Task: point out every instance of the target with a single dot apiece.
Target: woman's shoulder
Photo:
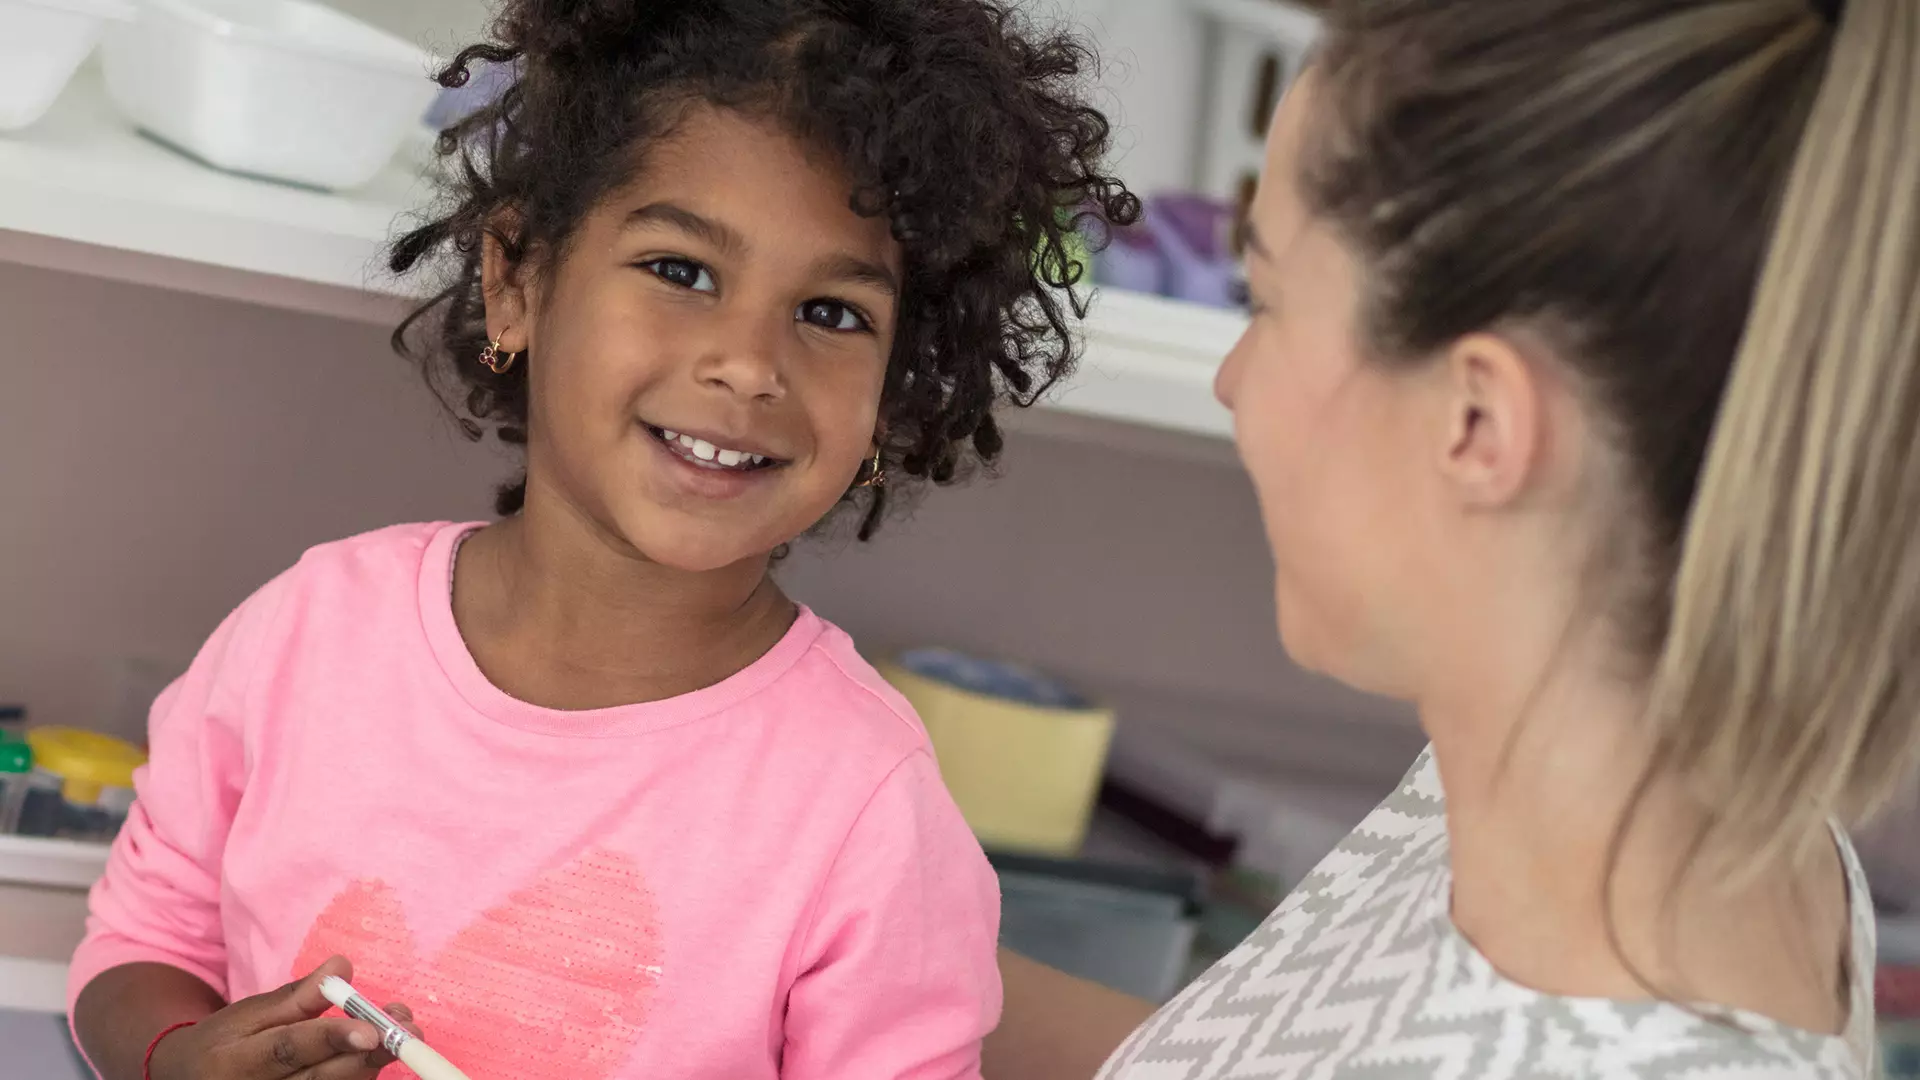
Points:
(1359, 973)
(1346, 948)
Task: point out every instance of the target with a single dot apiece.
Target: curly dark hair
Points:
(964, 127)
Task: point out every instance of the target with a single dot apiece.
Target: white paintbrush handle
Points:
(425, 1061)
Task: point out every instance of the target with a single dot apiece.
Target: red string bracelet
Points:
(146, 1063)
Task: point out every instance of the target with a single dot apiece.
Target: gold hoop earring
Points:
(876, 475)
(496, 361)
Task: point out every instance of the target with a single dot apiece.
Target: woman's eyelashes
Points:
(823, 312)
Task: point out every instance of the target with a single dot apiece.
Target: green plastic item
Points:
(15, 755)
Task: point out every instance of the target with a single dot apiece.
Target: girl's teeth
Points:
(708, 454)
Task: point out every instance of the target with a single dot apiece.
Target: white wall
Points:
(163, 454)
(443, 25)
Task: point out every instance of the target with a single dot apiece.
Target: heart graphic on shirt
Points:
(554, 983)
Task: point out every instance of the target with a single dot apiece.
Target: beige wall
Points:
(163, 454)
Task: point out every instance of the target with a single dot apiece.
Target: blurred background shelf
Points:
(43, 908)
(83, 192)
(66, 864)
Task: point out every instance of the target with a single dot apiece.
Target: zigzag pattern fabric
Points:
(1361, 975)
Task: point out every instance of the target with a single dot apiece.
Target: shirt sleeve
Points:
(901, 980)
(159, 900)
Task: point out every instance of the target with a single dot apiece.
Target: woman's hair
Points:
(1712, 209)
(960, 126)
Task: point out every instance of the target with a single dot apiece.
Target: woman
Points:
(1511, 260)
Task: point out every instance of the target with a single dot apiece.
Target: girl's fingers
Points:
(361, 1066)
(288, 1051)
(346, 1067)
(290, 1004)
(380, 1059)
(405, 1016)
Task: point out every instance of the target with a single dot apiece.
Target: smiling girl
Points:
(581, 787)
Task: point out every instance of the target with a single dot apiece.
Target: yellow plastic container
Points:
(1026, 777)
(94, 773)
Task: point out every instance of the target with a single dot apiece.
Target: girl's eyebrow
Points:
(719, 234)
(837, 267)
(854, 269)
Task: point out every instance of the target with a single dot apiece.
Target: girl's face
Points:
(1334, 443)
(707, 354)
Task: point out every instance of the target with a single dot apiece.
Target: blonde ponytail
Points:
(1788, 689)
(1715, 206)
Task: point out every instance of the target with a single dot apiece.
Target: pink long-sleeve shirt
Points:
(763, 878)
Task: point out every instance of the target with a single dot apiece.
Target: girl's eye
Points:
(831, 315)
(682, 272)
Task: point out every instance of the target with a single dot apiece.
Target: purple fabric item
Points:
(488, 82)
(1132, 261)
(1191, 233)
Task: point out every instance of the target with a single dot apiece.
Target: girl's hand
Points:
(279, 1035)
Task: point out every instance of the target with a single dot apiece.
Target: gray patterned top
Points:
(1360, 973)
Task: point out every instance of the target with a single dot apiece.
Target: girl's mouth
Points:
(703, 454)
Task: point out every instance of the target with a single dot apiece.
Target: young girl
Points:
(581, 788)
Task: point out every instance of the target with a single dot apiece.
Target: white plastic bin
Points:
(42, 43)
(1257, 48)
(285, 89)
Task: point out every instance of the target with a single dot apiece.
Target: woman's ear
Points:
(1495, 424)
(504, 284)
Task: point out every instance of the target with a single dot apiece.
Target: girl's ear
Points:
(503, 281)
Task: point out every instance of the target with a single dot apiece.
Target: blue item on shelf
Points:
(39, 1046)
(1900, 1049)
(993, 678)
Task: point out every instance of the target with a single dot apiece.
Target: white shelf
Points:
(35, 986)
(67, 864)
(83, 192)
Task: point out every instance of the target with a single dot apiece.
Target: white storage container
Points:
(42, 42)
(1257, 49)
(1151, 75)
(278, 88)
